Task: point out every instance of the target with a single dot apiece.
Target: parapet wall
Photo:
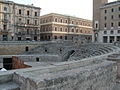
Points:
(88, 74)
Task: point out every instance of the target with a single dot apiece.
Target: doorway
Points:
(7, 63)
(35, 38)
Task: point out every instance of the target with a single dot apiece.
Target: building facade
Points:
(57, 26)
(19, 22)
(106, 21)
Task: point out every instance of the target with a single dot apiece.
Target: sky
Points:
(78, 8)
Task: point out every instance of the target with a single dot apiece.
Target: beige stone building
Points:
(57, 26)
(106, 21)
(19, 21)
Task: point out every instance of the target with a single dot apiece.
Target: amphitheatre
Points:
(59, 65)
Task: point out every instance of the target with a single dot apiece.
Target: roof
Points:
(64, 15)
(111, 4)
(11, 2)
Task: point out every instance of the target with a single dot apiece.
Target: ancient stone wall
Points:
(40, 58)
(16, 47)
(91, 74)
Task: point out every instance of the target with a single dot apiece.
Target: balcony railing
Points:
(25, 33)
(26, 25)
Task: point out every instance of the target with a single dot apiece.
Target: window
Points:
(118, 24)
(41, 37)
(35, 31)
(19, 38)
(20, 20)
(55, 37)
(61, 20)
(45, 49)
(80, 23)
(37, 59)
(72, 30)
(77, 23)
(96, 25)
(56, 19)
(112, 17)
(26, 49)
(119, 16)
(35, 22)
(46, 37)
(118, 31)
(35, 13)
(49, 37)
(5, 16)
(112, 24)
(27, 31)
(112, 10)
(119, 8)
(72, 22)
(60, 37)
(111, 32)
(55, 28)
(105, 18)
(76, 30)
(5, 27)
(28, 21)
(105, 11)
(65, 37)
(66, 29)
(20, 11)
(105, 25)
(28, 13)
(60, 29)
(66, 21)
(105, 32)
(5, 8)
(105, 39)
(80, 31)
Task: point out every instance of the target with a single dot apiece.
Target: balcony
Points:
(25, 33)
(27, 25)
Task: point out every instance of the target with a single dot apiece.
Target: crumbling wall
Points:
(91, 74)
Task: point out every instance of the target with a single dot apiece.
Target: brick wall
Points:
(17, 64)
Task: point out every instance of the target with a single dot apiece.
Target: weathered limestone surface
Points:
(80, 75)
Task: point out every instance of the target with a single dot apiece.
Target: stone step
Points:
(9, 86)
